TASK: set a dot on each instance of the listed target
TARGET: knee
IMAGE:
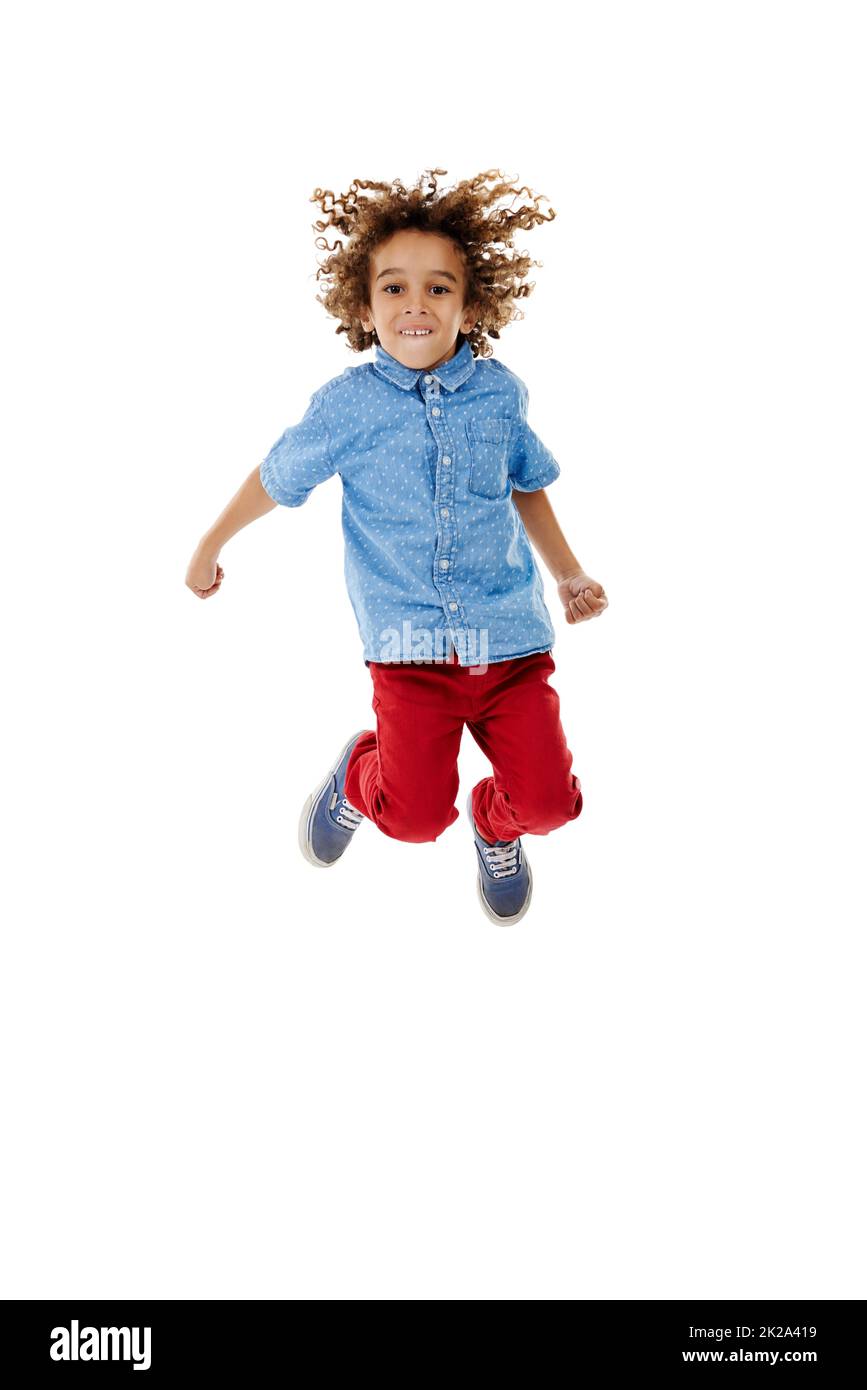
(542, 809)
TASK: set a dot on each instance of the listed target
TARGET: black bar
(241, 1341)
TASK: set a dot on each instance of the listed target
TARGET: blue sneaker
(328, 822)
(505, 882)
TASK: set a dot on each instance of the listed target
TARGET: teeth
(414, 332)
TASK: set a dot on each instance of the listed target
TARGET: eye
(445, 289)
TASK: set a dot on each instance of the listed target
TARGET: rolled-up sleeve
(531, 463)
(300, 459)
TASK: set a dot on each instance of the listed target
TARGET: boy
(443, 483)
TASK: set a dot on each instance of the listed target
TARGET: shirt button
(446, 461)
(436, 410)
(453, 607)
(444, 564)
(444, 512)
(428, 379)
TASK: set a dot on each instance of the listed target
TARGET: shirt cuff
(548, 475)
(270, 483)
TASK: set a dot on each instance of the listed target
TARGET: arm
(204, 575)
(249, 503)
(580, 595)
(542, 527)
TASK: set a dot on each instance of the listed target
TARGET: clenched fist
(581, 597)
(205, 574)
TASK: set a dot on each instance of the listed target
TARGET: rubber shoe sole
(486, 907)
(307, 812)
(506, 921)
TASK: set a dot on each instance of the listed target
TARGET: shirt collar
(451, 374)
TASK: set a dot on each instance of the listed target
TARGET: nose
(414, 303)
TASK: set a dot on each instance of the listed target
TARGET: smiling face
(417, 281)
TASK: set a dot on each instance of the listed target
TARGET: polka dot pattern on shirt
(435, 553)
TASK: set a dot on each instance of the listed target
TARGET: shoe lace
(503, 859)
(346, 814)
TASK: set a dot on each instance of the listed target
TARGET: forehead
(417, 250)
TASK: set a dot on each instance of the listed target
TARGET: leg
(404, 777)
(533, 789)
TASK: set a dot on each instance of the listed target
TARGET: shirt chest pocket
(489, 457)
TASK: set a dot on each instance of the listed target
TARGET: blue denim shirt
(435, 552)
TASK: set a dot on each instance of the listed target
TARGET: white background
(227, 1074)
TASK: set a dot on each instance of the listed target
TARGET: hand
(205, 574)
(581, 597)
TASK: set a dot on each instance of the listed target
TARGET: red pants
(404, 777)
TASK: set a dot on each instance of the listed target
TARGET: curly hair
(482, 234)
